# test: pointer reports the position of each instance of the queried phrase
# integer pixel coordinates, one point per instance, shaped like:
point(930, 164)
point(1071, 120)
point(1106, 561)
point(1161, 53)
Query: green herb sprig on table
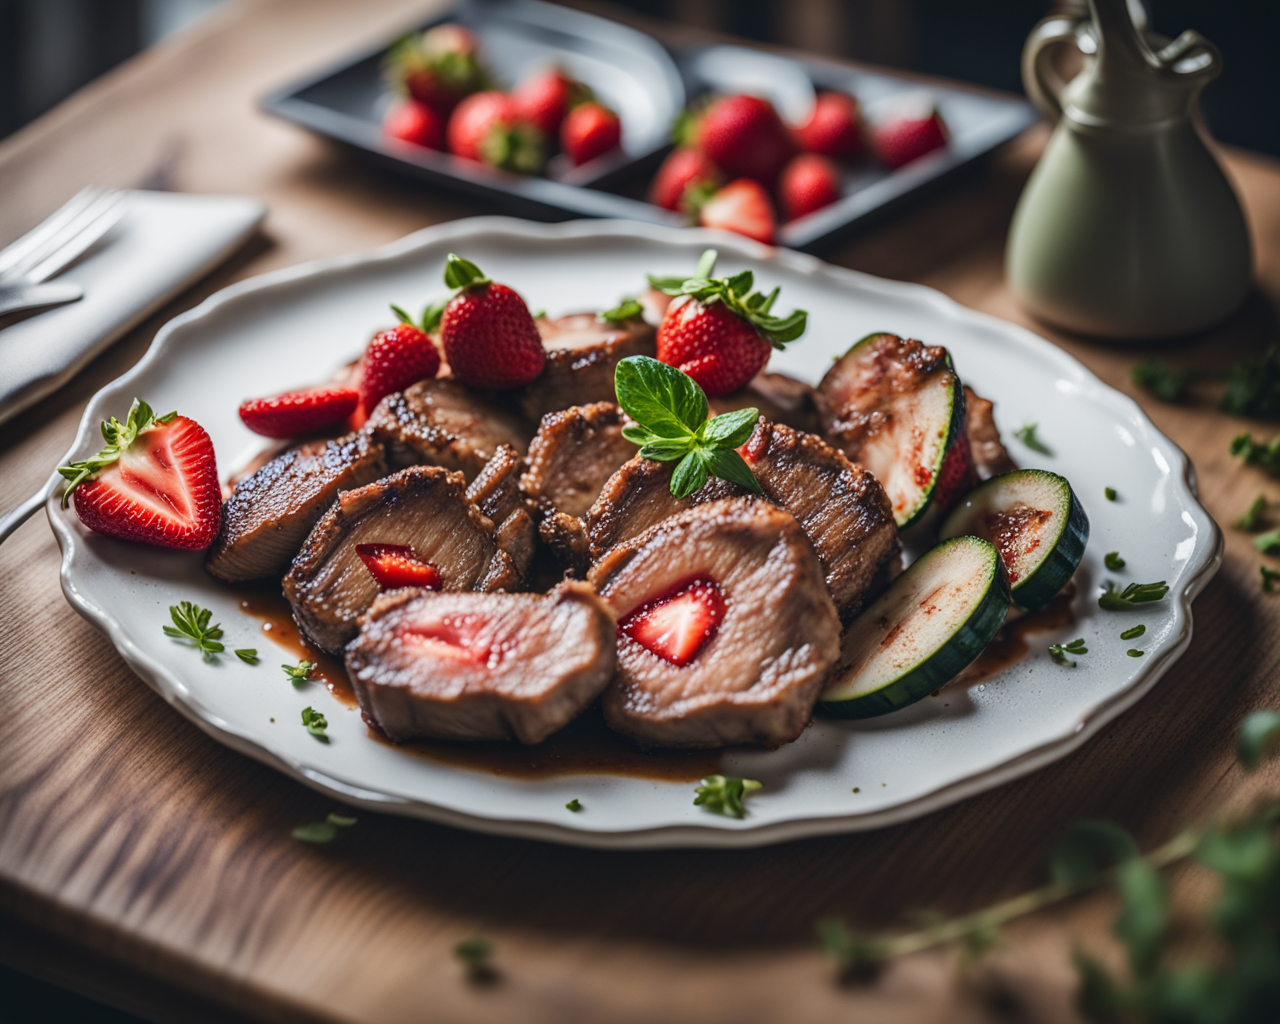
point(191, 622)
point(1253, 515)
point(1268, 543)
point(1270, 579)
point(1027, 435)
point(1255, 453)
point(1059, 652)
point(316, 724)
point(670, 413)
point(476, 955)
point(1113, 599)
point(1162, 380)
point(1252, 385)
point(723, 794)
point(322, 831)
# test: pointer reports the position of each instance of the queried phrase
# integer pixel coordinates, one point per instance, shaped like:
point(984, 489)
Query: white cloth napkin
point(163, 242)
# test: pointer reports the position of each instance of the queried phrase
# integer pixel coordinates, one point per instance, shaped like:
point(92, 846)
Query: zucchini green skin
point(1066, 552)
point(956, 654)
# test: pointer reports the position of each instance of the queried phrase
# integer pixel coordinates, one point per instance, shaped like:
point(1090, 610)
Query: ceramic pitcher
point(1128, 227)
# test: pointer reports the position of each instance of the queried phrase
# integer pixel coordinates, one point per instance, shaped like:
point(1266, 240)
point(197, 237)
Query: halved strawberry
point(457, 637)
point(155, 482)
point(397, 565)
point(677, 625)
point(299, 412)
point(742, 206)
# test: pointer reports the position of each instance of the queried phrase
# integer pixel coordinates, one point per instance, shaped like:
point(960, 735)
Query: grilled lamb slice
point(442, 422)
point(635, 498)
point(481, 666)
point(582, 353)
point(572, 456)
point(271, 511)
point(840, 506)
point(496, 493)
point(566, 538)
point(990, 457)
point(424, 508)
point(744, 660)
point(779, 398)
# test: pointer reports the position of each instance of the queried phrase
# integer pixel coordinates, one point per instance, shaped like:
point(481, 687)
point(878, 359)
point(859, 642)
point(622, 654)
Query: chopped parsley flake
point(1131, 634)
point(1252, 517)
point(723, 794)
point(1270, 577)
point(1133, 652)
point(316, 724)
point(574, 805)
point(1027, 435)
point(1110, 492)
point(1113, 561)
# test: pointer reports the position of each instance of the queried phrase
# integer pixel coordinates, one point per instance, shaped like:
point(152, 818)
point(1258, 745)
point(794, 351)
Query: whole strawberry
point(832, 128)
point(155, 482)
point(490, 339)
point(684, 170)
point(437, 67)
point(808, 183)
point(718, 330)
point(396, 358)
point(411, 121)
point(909, 130)
point(589, 131)
point(487, 127)
point(744, 136)
point(742, 206)
point(545, 98)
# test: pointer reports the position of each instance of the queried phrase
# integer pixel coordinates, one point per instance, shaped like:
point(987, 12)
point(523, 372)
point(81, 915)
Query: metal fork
point(51, 245)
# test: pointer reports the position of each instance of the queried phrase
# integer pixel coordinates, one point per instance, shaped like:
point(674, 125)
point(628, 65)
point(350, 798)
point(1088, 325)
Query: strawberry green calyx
point(516, 147)
point(737, 295)
point(628, 309)
point(118, 437)
point(460, 273)
point(430, 319)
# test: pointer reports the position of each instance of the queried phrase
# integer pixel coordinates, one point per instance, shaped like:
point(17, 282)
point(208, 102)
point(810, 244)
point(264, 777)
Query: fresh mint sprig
point(670, 413)
point(118, 437)
point(738, 297)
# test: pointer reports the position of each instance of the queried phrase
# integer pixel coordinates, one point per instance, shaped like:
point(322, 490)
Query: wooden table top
point(142, 862)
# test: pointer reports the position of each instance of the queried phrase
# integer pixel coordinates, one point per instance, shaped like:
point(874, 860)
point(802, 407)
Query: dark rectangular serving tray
point(346, 103)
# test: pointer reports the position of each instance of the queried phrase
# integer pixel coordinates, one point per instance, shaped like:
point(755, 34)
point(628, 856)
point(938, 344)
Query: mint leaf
point(627, 309)
point(691, 473)
point(659, 397)
point(730, 429)
point(460, 273)
point(727, 464)
point(667, 449)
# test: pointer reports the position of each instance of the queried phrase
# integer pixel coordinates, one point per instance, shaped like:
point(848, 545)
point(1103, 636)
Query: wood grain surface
point(145, 864)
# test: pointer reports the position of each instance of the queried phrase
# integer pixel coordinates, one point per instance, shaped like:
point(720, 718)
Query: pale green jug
point(1128, 228)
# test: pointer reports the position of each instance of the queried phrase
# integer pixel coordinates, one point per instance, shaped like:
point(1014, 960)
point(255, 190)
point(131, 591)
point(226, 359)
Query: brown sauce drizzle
point(586, 746)
point(1010, 644)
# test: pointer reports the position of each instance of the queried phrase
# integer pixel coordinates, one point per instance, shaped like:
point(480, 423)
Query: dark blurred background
point(49, 48)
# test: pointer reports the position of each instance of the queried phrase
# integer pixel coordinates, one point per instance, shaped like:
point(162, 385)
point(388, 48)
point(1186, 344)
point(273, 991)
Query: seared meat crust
point(481, 666)
point(496, 493)
point(582, 353)
point(990, 457)
point(635, 498)
point(573, 454)
point(757, 678)
point(271, 511)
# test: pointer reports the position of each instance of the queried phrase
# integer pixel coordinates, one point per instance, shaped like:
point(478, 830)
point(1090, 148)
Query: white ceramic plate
point(295, 326)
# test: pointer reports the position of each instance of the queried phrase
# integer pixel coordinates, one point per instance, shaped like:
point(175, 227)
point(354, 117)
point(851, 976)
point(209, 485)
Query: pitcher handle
point(1191, 54)
point(1039, 77)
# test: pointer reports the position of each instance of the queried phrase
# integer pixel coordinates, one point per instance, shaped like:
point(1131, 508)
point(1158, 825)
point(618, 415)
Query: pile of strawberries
point(449, 103)
point(735, 156)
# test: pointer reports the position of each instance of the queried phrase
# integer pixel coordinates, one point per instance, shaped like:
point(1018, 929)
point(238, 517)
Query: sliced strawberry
point(299, 412)
point(396, 358)
point(677, 625)
point(415, 122)
point(912, 128)
point(808, 183)
point(958, 474)
point(589, 131)
point(155, 482)
point(396, 565)
point(832, 128)
point(457, 637)
point(742, 206)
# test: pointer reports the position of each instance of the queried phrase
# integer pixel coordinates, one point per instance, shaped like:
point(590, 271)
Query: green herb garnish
point(1027, 435)
point(299, 674)
point(1110, 493)
point(1162, 380)
point(476, 955)
point(723, 794)
point(322, 831)
point(316, 724)
point(627, 309)
point(1253, 387)
point(191, 622)
point(1059, 652)
point(574, 805)
point(1254, 453)
point(670, 413)
point(1114, 600)
point(247, 654)
point(1253, 515)
point(1130, 634)
point(737, 295)
point(1113, 561)
point(118, 437)
point(1270, 577)
point(1133, 652)
point(1268, 543)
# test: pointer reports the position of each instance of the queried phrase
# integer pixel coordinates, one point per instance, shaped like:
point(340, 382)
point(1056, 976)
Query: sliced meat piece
point(573, 454)
point(773, 638)
point(496, 493)
point(271, 511)
point(840, 506)
point(990, 457)
point(481, 666)
point(566, 538)
point(442, 422)
point(424, 508)
point(581, 355)
point(779, 398)
point(635, 498)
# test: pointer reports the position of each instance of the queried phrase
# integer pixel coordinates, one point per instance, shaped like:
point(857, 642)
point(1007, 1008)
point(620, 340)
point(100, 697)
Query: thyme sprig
point(1059, 652)
point(193, 623)
point(723, 794)
point(1113, 599)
